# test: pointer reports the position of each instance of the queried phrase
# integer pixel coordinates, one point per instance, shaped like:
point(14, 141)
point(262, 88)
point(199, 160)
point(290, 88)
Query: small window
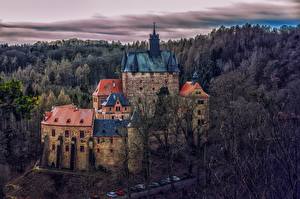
point(166, 81)
point(81, 134)
point(122, 117)
point(56, 120)
point(98, 150)
point(81, 121)
point(95, 99)
point(153, 89)
point(67, 148)
point(118, 108)
point(112, 117)
point(68, 120)
point(53, 147)
point(111, 150)
point(200, 102)
point(53, 132)
point(67, 133)
point(103, 131)
point(98, 140)
point(125, 108)
point(199, 112)
point(111, 140)
point(141, 88)
point(200, 122)
point(81, 148)
point(109, 108)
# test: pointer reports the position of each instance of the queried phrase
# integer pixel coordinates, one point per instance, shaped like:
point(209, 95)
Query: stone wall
point(81, 159)
point(107, 151)
point(146, 85)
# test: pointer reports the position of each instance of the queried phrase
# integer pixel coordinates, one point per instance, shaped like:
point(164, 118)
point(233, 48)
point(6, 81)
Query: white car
point(140, 187)
point(112, 194)
point(175, 178)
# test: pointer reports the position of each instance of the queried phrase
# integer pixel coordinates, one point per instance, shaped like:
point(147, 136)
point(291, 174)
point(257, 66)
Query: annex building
point(85, 139)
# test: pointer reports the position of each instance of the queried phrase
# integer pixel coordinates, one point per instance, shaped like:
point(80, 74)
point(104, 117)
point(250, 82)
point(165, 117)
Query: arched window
point(67, 133)
point(53, 132)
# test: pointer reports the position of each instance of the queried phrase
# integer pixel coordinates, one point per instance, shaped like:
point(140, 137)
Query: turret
point(154, 43)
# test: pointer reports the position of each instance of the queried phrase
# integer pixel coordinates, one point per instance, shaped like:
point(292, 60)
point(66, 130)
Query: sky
point(29, 21)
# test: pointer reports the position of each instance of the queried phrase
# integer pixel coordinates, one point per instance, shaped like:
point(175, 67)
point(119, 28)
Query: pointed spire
point(154, 43)
point(195, 77)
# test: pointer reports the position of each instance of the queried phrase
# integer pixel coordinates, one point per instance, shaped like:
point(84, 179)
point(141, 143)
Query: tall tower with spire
point(144, 72)
point(154, 43)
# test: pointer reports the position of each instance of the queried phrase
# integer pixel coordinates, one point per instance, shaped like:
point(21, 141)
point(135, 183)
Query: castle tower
point(145, 72)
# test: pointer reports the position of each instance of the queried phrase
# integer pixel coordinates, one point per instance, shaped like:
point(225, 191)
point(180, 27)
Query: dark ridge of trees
point(252, 74)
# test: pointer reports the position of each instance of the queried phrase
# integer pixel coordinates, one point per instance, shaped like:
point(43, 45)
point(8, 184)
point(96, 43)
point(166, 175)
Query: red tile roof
point(108, 86)
point(69, 115)
point(189, 87)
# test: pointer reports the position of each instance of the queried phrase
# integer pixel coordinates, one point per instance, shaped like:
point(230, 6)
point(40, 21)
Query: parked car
point(154, 184)
point(134, 189)
point(175, 178)
point(112, 194)
point(165, 181)
point(120, 192)
point(140, 187)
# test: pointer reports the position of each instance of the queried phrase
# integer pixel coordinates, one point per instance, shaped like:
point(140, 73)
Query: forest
point(251, 72)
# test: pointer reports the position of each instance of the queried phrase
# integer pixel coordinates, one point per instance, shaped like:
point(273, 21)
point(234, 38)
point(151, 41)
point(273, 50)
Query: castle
point(85, 139)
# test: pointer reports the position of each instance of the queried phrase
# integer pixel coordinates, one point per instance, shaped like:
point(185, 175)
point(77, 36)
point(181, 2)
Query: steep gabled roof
point(108, 86)
point(113, 98)
point(189, 87)
point(69, 115)
point(108, 127)
point(144, 62)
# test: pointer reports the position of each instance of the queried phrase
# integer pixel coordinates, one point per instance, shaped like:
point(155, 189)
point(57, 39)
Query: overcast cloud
point(171, 25)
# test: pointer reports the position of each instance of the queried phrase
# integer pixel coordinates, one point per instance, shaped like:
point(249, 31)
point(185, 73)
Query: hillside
point(252, 74)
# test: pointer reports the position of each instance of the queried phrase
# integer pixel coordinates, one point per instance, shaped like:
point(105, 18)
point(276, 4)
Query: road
point(154, 191)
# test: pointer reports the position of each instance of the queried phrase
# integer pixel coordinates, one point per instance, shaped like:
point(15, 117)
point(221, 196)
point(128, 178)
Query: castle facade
point(87, 139)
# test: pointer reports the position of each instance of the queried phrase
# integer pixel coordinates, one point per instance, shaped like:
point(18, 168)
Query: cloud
point(137, 27)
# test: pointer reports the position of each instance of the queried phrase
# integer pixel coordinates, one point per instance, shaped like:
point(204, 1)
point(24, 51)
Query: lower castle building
point(87, 139)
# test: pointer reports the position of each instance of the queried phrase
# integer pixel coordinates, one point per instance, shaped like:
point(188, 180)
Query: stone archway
point(91, 156)
point(45, 152)
point(73, 153)
point(59, 152)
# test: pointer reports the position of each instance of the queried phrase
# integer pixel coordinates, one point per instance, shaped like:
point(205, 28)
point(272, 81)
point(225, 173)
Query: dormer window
point(68, 120)
point(56, 120)
point(81, 121)
point(103, 131)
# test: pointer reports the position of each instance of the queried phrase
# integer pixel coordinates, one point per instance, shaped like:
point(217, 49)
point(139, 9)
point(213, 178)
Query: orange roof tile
point(69, 115)
point(108, 86)
point(189, 87)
